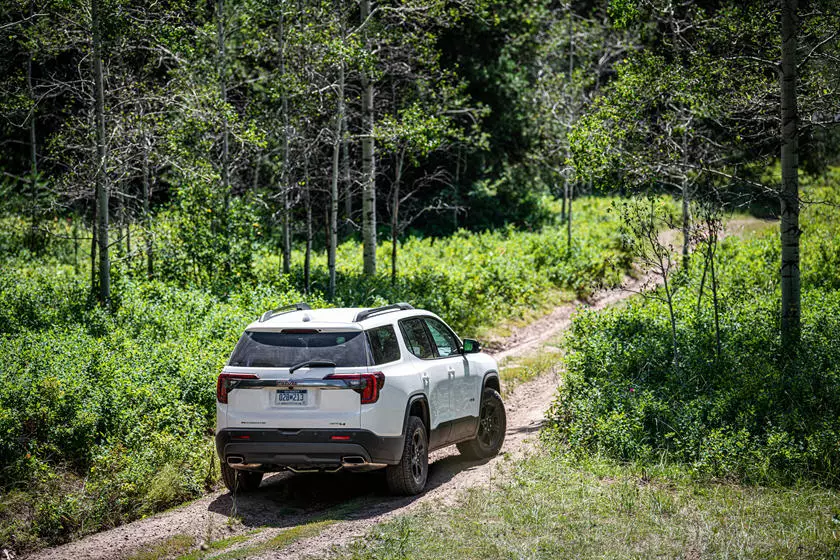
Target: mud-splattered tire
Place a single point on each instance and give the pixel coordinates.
(409, 476)
(240, 481)
(492, 424)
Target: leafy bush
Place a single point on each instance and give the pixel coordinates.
(107, 417)
(746, 413)
(196, 244)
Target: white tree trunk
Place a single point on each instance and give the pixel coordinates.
(686, 209)
(368, 167)
(225, 157)
(333, 226)
(33, 148)
(395, 214)
(147, 208)
(307, 259)
(285, 187)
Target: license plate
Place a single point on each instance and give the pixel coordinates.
(290, 397)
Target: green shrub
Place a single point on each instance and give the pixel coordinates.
(124, 401)
(748, 413)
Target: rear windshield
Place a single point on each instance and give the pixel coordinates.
(284, 349)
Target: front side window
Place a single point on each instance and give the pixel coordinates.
(416, 339)
(383, 345)
(285, 349)
(446, 342)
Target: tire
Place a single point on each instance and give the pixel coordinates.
(408, 478)
(240, 481)
(492, 424)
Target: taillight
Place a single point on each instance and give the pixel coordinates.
(370, 384)
(223, 384)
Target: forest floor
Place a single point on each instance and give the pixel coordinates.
(300, 515)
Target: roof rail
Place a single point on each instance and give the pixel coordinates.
(300, 306)
(365, 313)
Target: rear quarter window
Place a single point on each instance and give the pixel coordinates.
(384, 347)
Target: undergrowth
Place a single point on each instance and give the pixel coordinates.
(108, 417)
(751, 413)
(476, 280)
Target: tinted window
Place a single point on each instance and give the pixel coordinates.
(383, 345)
(446, 342)
(416, 339)
(282, 349)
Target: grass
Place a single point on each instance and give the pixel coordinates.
(294, 534)
(176, 544)
(216, 546)
(745, 225)
(515, 370)
(224, 549)
(551, 507)
(281, 540)
(507, 325)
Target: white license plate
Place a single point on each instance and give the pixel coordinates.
(290, 397)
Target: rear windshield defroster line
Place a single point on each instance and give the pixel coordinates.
(283, 349)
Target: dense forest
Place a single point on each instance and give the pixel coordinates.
(207, 129)
(172, 169)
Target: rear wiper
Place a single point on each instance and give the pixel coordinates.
(311, 364)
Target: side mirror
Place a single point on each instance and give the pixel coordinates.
(471, 346)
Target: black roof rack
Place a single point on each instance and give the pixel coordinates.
(300, 306)
(365, 313)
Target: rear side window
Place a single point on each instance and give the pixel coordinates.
(285, 349)
(416, 339)
(383, 345)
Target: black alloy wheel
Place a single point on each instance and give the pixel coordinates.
(409, 476)
(492, 424)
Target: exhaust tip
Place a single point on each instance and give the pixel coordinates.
(235, 460)
(353, 460)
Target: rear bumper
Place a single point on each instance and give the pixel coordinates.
(306, 449)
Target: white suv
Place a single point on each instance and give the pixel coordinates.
(356, 389)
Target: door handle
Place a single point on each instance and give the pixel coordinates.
(451, 372)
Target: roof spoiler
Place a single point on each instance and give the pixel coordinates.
(300, 306)
(365, 313)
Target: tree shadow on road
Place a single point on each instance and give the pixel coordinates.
(289, 499)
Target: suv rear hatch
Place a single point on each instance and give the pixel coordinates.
(296, 378)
